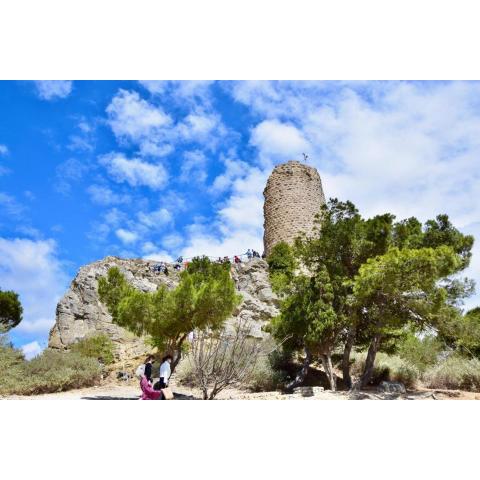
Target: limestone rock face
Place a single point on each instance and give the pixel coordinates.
(80, 312)
(293, 196)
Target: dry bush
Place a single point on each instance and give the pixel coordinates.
(455, 372)
(387, 367)
(49, 372)
(224, 358)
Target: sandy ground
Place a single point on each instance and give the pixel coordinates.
(131, 391)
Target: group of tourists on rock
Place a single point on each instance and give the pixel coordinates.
(162, 267)
(159, 390)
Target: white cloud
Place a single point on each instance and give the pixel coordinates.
(69, 172)
(149, 247)
(279, 140)
(146, 124)
(31, 350)
(135, 172)
(105, 196)
(3, 149)
(10, 205)
(32, 269)
(126, 236)
(234, 168)
(51, 89)
(160, 256)
(155, 219)
(192, 91)
(194, 167)
(133, 117)
(200, 126)
(238, 224)
(172, 241)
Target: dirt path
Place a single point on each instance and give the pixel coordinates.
(132, 392)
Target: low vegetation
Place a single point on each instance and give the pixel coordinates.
(99, 347)
(456, 372)
(390, 368)
(50, 372)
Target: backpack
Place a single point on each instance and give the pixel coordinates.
(140, 371)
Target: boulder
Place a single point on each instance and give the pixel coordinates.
(308, 391)
(392, 387)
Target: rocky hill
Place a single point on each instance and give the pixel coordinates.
(80, 312)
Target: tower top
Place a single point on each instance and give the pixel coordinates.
(293, 196)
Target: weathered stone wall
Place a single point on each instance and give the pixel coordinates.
(293, 196)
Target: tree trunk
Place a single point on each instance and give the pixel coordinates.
(327, 366)
(370, 361)
(300, 378)
(177, 353)
(347, 379)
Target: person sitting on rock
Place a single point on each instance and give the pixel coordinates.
(177, 266)
(236, 259)
(249, 254)
(148, 393)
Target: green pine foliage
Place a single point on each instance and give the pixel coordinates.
(11, 310)
(363, 283)
(204, 298)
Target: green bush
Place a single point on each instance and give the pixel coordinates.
(52, 371)
(387, 367)
(422, 353)
(455, 372)
(98, 346)
(265, 378)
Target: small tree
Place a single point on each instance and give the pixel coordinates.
(223, 358)
(204, 299)
(11, 310)
(308, 322)
(402, 288)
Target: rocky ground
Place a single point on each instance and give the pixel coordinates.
(131, 391)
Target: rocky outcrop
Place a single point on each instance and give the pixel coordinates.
(80, 312)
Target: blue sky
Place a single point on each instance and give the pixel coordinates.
(158, 169)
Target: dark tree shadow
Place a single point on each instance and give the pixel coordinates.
(109, 397)
(178, 396)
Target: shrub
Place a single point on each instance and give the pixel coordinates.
(422, 353)
(50, 372)
(387, 367)
(265, 377)
(11, 366)
(98, 346)
(455, 372)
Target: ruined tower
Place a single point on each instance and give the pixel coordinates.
(293, 196)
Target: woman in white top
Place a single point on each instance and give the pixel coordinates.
(165, 371)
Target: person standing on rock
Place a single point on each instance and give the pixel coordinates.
(165, 371)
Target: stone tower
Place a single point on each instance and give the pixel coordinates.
(293, 196)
